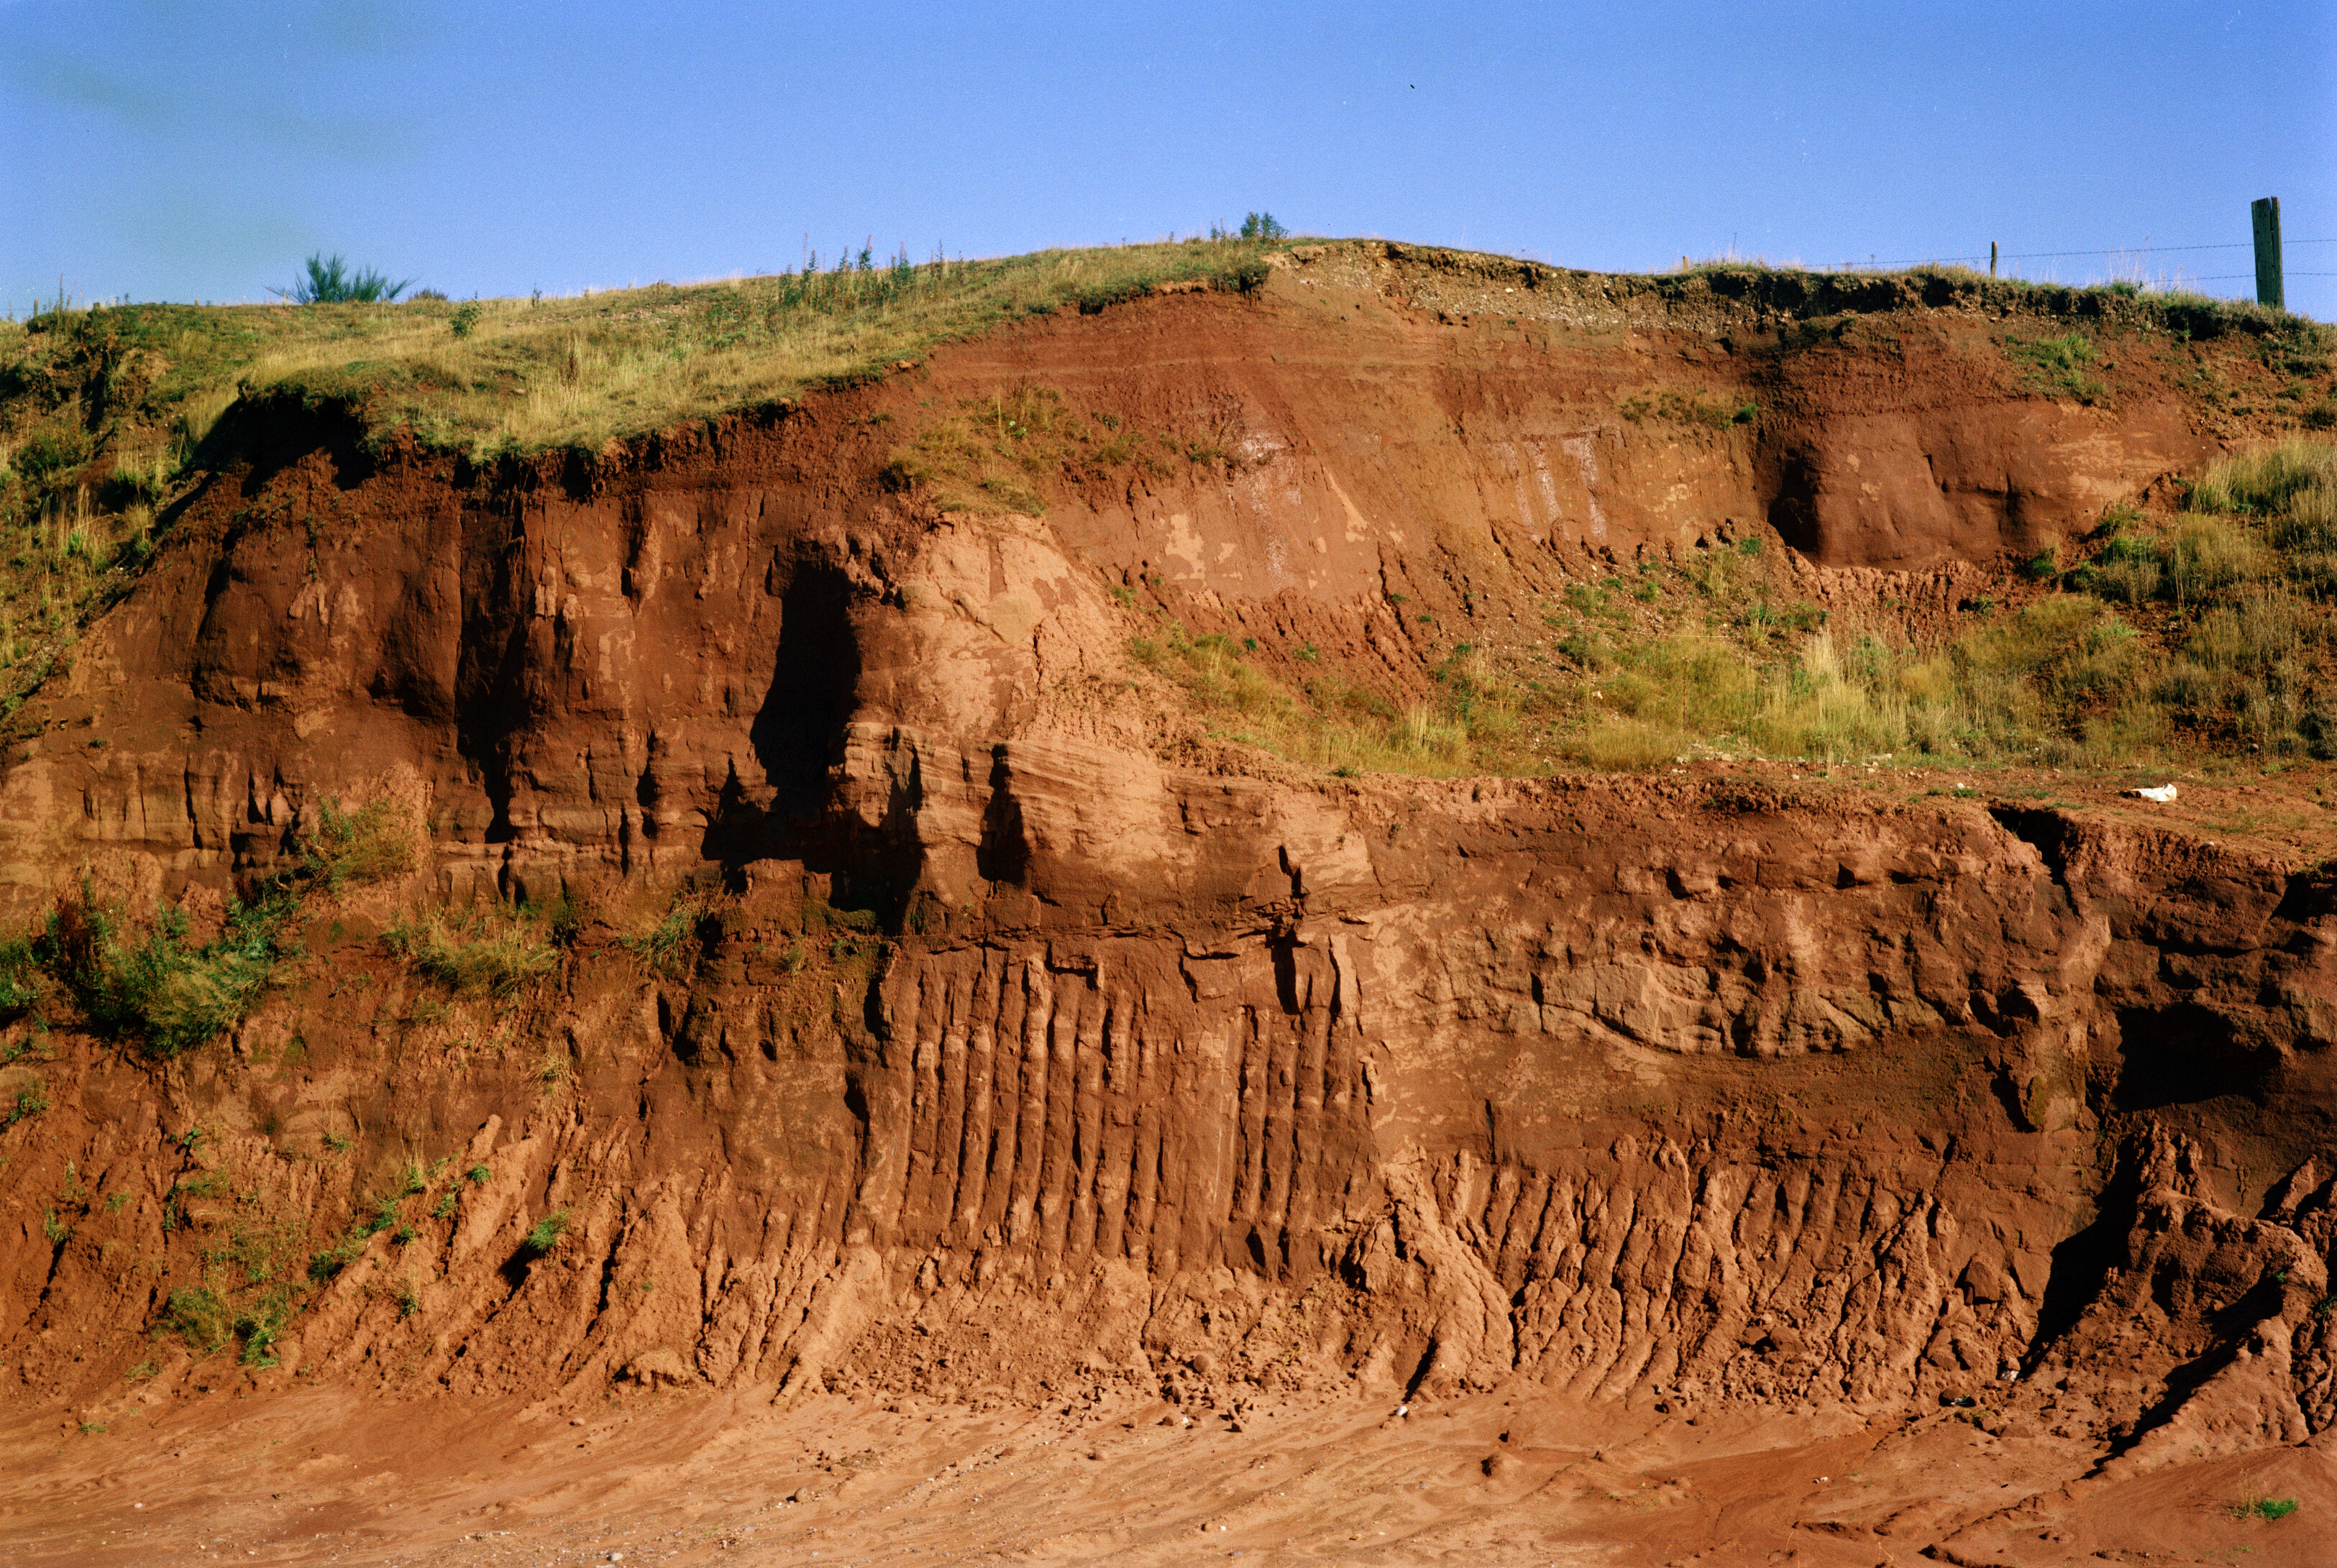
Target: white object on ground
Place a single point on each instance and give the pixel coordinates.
(2162, 793)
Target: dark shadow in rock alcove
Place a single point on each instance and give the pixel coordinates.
(1003, 856)
(798, 733)
(797, 736)
(1793, 505)
(2183, 1055)
(1286, 974)
(494, 701)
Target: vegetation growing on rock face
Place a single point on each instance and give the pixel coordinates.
(30, 1101)
(2264, 1508)
(998, 453)
(2209, 629)
(492, 953)
(370, 844)
(150, 981)
(111, 415)
(19, 977)
(141, 973)
(543, 1238)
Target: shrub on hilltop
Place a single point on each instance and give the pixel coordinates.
(330, 280)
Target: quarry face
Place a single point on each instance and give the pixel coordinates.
(968, 1108)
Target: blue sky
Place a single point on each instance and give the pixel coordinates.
(163, 151)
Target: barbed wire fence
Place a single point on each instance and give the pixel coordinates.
(2177, 280)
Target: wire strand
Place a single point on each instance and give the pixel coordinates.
(2057, 254)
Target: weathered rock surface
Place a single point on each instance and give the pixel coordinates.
(1695, 1089)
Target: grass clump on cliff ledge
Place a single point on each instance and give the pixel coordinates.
(149, 981)
(152, 977)
(492, 953)
(372, 843)
(2210, 632)
(1477, 724)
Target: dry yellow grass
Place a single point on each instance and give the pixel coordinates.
(1330, 724)
(516, 375)
(2223, 642)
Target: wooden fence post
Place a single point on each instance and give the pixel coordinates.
(1991, 259)
(2269, 291)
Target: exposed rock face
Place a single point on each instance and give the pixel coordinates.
(1688, 1088)
(656, 661)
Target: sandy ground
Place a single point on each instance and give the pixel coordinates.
(1512, 1476)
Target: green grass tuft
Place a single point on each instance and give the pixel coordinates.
(373, 844)
(2057, 367)
(544, 1236)
(260, 1323)
(31, 1101)
(150, 982)
(331, 280)
(199, 1316)
(668, 946)
(495, 953)
(2269, 481)
(2265, 1508)
(20, 982)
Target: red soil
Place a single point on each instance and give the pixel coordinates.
(1709, 1134)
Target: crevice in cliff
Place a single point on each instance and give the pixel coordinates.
(491, 680)
(2047, 832)
(2082, 1261)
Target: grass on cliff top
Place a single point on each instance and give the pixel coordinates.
(488, 376)
(2167, 306)
(108, 414)
(2210, 632)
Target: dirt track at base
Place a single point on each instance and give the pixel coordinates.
(1512, 1475)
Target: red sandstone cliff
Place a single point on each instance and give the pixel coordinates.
(1196, 1075)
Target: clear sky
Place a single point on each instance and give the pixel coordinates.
(182, 151)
